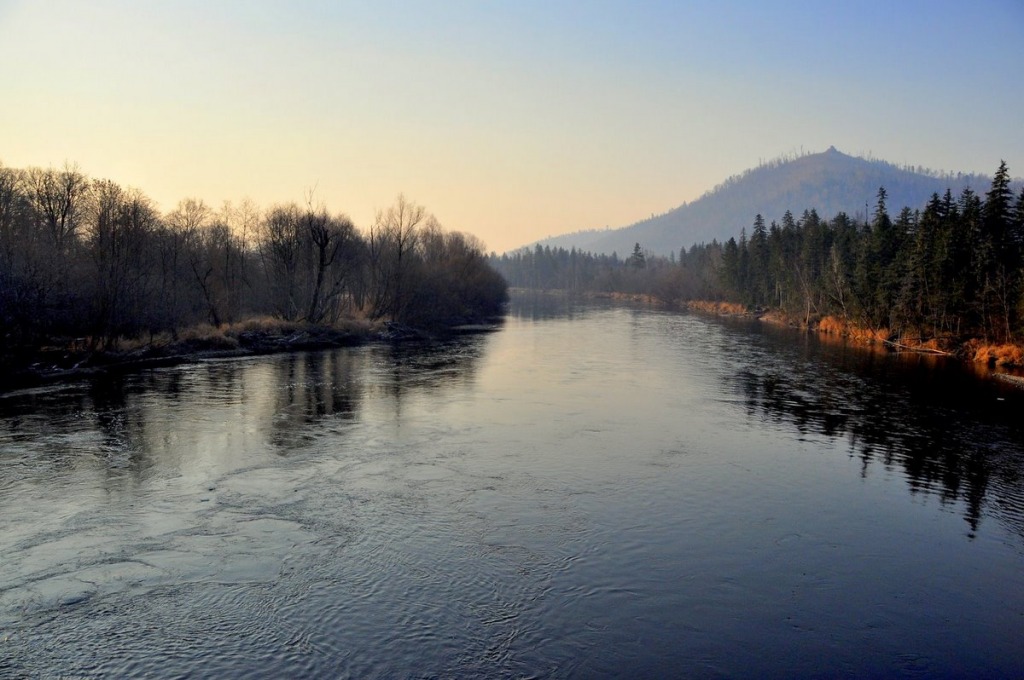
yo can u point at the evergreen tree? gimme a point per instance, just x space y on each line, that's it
744 268
950 271
904 272
922 290
637 259
731 279
842 261
759 260
1000 269
1017 224
974 253
997 216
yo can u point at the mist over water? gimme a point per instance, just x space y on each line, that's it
591 491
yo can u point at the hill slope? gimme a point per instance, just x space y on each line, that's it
830 182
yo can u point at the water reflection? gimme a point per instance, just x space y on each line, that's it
612 493
211 417
309 388
540 306
947 431
178 475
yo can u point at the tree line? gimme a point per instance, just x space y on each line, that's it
950 270
693 276
88 258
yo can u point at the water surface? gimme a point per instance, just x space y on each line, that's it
591 491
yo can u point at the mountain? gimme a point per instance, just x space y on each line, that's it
829 182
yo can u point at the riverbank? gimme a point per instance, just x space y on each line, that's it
73 359
1004 355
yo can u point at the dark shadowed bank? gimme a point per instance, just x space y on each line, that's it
51 364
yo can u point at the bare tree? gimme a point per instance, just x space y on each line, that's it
202 240
58 201
11 200
280 250
392 244
119 231
233 247
330 241
337 251
452 282
15 252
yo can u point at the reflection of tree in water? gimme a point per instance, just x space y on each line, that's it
950 433
124 426
416 368
435 365
110 406
90 425
541 306
312 386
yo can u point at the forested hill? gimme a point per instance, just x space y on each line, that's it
831 181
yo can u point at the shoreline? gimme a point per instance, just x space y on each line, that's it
53 365
972 351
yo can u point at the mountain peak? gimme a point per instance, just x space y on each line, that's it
830 182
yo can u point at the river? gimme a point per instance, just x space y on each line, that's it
590 491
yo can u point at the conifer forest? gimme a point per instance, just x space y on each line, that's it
945 272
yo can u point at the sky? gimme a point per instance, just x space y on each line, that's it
513 120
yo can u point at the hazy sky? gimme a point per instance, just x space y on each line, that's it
511 120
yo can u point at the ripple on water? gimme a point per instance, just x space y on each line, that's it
619 494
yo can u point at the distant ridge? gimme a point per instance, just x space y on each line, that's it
829 182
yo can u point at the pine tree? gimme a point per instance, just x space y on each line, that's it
999 271
974 252
996 216
637 259
903 274
1017 227
923 268
842 258
759 261
731 279
745 279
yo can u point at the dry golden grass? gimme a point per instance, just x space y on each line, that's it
1006 354
996 355
833 325
210 335
712 307
264 324
226 336
779 318
876 334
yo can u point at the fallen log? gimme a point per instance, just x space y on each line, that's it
920 350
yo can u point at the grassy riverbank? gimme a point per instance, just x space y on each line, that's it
64 359
1002 355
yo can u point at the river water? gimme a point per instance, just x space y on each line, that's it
591 491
